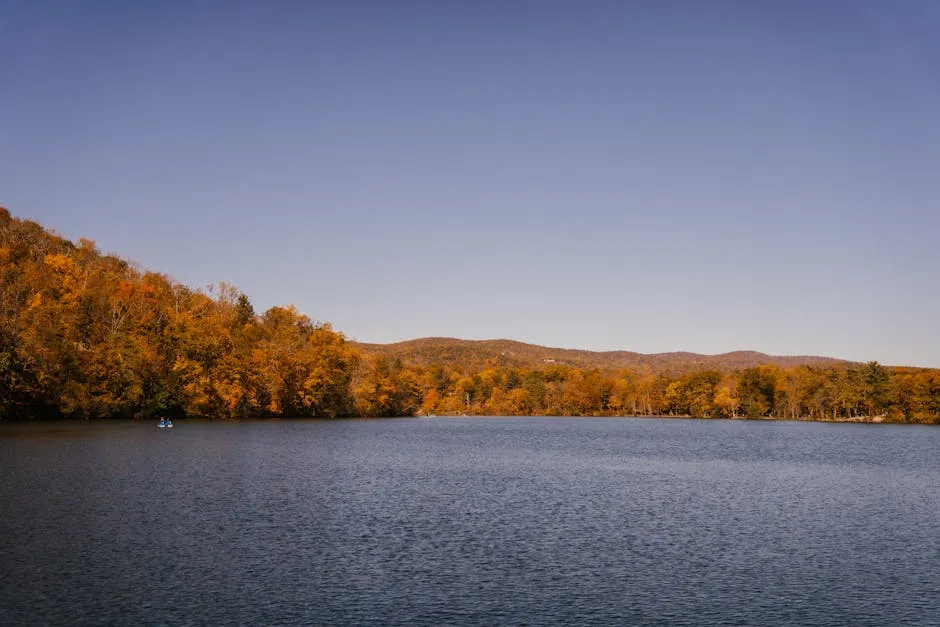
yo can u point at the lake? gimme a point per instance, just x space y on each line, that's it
470 521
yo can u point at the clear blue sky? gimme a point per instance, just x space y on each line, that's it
604 174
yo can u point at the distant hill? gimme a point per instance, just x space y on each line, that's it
479 353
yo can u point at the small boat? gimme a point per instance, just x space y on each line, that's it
162 424
169 423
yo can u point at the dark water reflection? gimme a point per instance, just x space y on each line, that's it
470 521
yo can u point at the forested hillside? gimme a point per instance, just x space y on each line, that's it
87 335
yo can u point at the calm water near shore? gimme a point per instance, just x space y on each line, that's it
486 521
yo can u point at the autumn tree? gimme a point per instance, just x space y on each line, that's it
85 334
757 388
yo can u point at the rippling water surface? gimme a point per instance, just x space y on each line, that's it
470 521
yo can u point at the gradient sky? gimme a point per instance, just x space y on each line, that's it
649 176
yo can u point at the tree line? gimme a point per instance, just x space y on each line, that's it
89 335
864 392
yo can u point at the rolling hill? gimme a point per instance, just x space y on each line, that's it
479 353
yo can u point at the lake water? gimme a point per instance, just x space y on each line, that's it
489 521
